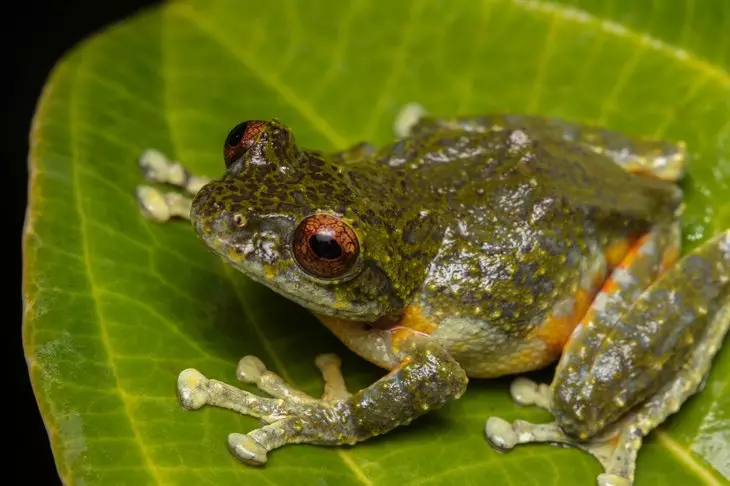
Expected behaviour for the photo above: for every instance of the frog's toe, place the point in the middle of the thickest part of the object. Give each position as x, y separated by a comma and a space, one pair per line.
252, 370
500, 434
615, 450
527, 392
154, 165
160, 207
504, 435
152, 204
407, 119
192, 389
252, 448
158, 169
247, 449
334, 383
607, 479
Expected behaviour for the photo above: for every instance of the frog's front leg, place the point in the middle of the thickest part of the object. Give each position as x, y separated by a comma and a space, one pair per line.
619, 379
158, 169
426, 378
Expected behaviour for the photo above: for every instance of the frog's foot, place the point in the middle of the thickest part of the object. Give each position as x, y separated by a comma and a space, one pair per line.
526, 392
407, 118
253, 371
706, 302
616, 452
292, 416
158, 169
160, 207
503, 435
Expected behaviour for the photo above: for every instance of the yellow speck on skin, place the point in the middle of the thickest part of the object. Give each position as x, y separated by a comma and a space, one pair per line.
233, 256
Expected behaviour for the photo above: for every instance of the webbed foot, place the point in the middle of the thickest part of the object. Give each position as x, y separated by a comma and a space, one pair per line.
704, 303
161, 206
292, 416
426, 378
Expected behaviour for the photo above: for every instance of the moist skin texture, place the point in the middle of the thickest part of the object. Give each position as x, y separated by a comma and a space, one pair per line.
471, 247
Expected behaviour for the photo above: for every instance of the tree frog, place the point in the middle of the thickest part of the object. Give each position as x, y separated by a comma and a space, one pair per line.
468, 247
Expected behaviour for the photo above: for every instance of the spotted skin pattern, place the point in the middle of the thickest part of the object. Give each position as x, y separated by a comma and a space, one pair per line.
486, 246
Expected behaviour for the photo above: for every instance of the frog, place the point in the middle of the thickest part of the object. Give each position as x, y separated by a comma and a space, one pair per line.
467, 247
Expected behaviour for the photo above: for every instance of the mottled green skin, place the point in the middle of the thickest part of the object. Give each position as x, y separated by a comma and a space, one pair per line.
483, 240
483, 224
503, 208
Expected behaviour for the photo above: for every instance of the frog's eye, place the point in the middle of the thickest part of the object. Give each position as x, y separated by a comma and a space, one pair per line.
325, 246
241, 138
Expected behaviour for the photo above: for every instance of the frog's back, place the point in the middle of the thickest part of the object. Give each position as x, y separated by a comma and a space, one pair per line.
528, 224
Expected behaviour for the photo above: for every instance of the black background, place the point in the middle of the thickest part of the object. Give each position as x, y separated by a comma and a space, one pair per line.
37, 37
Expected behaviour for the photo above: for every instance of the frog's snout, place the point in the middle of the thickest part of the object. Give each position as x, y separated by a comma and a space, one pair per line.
227, 228
212, 217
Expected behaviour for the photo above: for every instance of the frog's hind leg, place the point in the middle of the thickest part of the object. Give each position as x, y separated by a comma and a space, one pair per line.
161, 206
618, 446
650, 157
629, 388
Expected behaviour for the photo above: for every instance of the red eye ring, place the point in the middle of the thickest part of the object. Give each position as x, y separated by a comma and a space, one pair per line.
240, 139
325, 246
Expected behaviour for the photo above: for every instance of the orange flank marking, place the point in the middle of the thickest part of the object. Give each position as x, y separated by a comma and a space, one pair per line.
398, 337
670, 257
616, 252
411, 318
557, 330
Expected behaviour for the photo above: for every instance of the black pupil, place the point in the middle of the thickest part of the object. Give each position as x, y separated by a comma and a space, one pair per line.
234, 138
325, 246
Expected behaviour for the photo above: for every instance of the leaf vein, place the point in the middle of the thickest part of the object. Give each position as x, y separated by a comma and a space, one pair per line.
284, 90
610, 27
74, 120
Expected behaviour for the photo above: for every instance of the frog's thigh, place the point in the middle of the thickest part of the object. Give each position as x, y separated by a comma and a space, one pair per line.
161, 206
703, 311
635, 267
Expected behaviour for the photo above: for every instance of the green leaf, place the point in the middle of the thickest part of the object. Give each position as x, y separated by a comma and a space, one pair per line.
117, 306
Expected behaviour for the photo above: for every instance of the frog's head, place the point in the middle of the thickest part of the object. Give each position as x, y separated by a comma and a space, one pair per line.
292, 220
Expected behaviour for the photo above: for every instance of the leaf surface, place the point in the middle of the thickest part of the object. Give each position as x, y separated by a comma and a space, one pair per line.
117, 306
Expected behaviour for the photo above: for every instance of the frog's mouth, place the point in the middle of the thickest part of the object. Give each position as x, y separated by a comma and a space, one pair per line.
317, 298
267, 261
